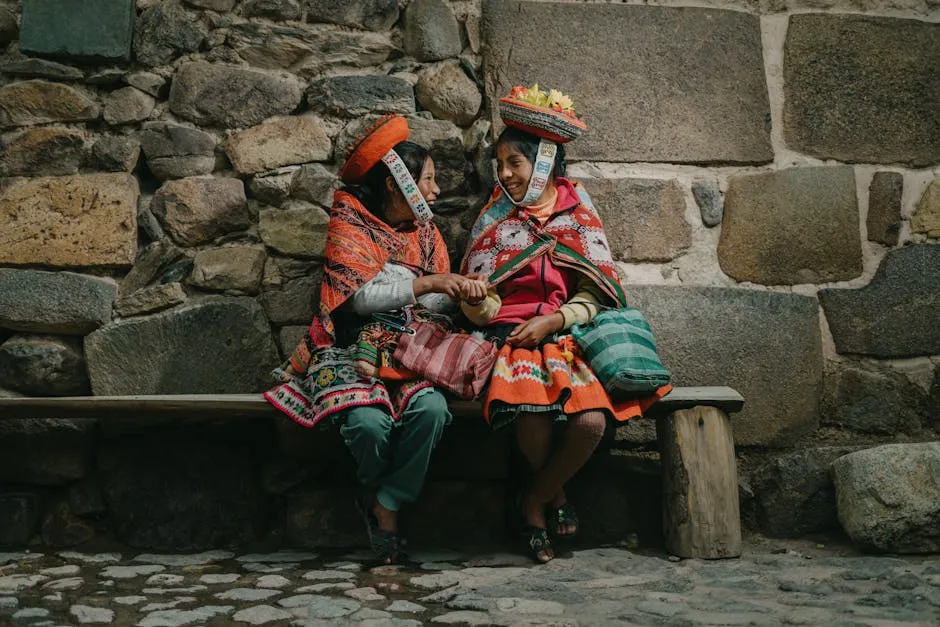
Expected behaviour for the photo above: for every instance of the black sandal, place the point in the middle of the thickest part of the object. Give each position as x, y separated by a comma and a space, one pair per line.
536, 538
564, 516
540, 545
385, 544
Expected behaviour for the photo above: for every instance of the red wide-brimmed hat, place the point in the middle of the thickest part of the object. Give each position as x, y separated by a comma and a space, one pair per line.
546, 114
369, 148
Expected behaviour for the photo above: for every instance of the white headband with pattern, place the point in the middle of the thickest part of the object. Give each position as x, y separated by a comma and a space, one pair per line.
406, 183
544, 159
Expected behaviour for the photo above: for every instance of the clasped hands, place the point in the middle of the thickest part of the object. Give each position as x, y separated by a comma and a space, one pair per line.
458, 287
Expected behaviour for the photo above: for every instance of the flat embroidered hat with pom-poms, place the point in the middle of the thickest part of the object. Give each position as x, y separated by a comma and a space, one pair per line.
546, 114
374, 143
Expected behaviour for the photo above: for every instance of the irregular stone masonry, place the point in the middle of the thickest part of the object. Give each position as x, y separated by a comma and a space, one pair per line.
211, 131
773, 584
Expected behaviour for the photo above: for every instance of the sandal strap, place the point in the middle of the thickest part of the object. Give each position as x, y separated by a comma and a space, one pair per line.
565, 515
384, 543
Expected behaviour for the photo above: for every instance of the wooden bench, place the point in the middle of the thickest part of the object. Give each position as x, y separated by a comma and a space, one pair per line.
701, 514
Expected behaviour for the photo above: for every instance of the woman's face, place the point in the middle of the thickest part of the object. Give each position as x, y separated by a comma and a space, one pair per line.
514, 170
426, 183
398, 211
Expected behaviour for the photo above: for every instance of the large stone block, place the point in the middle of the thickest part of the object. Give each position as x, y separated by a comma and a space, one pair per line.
299, 232
884, 208
290, 141
431, 30
216, 345
43, 151
765, 345
45, 452
40, 68
644, 218
78, 28
127, 105
174, 151
446, 91
196, 210
231, 268
359, 95
926, 218
150, 299
668, 84
791, 226
71, 221
313, 51
278, 10
864, 399
164, 32
230, 97
41, 102
295, 303
54, 302
889, 497
793, 493
184, 490
370, 14
863, 89
40, 365
896, 314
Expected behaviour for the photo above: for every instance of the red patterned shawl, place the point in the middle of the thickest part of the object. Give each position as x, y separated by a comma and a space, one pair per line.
358, 244
502, 242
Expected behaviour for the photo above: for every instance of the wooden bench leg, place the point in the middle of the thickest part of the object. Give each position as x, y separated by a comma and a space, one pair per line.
701, 513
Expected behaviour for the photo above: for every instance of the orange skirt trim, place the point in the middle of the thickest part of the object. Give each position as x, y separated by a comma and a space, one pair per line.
554, 376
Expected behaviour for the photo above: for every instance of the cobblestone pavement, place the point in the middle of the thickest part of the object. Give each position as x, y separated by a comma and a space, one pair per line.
772, 584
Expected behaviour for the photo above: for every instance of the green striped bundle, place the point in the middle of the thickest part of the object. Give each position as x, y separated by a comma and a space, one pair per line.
619, 347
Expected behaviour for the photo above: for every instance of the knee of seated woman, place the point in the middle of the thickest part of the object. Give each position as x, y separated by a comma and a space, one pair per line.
431, 409
371, 420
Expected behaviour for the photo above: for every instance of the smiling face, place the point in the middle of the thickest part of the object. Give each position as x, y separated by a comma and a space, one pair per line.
514, 169
397, 209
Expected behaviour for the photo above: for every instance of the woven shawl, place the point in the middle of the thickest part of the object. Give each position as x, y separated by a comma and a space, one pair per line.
502, 242
358, 245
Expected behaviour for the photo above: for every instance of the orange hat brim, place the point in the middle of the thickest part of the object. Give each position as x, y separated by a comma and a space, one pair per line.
369, 148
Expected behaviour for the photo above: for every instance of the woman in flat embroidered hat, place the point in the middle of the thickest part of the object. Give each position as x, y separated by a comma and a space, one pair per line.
382, 254
540, 244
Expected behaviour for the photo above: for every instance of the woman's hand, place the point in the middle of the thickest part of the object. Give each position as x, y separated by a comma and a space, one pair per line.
450, 284
474, 290
531, 332
288, 373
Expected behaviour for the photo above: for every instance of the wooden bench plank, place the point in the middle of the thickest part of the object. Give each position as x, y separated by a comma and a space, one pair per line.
254, 405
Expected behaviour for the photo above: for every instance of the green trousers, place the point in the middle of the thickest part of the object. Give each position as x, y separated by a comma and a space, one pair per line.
393, 457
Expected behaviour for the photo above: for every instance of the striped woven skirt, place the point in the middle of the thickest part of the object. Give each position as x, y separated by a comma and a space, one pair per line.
552, 379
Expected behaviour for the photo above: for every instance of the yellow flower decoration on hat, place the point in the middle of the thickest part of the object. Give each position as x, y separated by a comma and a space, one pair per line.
551, 99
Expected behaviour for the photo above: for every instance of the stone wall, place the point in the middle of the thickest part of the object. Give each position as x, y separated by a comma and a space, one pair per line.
768, 172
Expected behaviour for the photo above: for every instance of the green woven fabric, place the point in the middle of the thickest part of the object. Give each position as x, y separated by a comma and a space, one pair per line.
619, 346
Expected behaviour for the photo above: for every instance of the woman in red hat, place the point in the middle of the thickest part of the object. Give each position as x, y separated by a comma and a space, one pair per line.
541, 246
383, 254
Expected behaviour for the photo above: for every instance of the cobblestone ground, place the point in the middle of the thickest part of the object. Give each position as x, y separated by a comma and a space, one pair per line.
772, 584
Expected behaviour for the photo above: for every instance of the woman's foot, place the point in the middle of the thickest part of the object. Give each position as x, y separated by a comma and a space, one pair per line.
564, 519
535, 531
387, 519
381, 526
